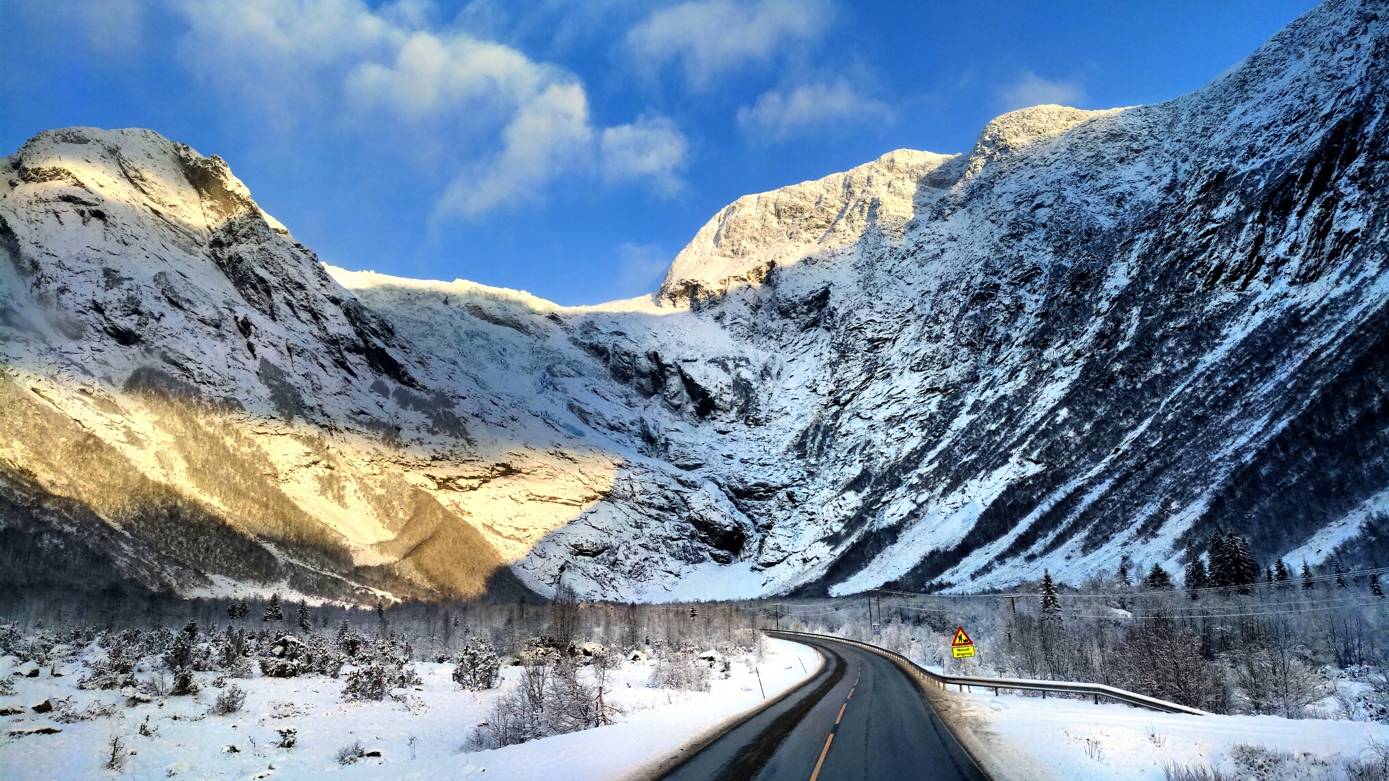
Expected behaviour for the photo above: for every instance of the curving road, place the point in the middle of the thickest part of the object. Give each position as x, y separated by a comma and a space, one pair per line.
860, 717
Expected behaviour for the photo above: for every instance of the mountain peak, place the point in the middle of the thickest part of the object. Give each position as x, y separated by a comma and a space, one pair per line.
754, 234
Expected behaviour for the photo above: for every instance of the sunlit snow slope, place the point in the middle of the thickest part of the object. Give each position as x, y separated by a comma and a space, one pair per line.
1097, 333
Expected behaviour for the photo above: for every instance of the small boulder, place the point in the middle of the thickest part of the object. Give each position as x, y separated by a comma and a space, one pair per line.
44, 707
19, 732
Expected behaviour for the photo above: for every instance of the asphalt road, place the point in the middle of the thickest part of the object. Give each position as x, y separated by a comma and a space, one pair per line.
860, 717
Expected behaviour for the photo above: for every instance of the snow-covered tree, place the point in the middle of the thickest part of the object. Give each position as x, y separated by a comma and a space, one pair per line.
478, 666
179, 660
1341, 577
305, 621
272, 609
1051, 604
1375, 588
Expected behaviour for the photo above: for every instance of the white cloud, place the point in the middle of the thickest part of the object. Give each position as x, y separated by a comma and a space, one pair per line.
651, 147
1032, 90
322, 62
710, 38
545, 137
778, 114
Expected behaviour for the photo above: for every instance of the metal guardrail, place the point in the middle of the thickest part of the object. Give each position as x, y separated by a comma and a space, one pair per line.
1094, 690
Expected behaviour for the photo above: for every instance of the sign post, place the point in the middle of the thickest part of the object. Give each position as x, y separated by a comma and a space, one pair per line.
962, 647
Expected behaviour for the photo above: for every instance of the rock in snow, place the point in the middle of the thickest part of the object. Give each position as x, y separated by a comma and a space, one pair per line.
1096, 334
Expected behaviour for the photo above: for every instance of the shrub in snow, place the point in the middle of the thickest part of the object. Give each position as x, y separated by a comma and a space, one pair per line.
322, 657
179, 659
349, 642
570, 705
478, 666
229, 701
6, 686
374, 680
538, 650
183, 683
9, 639
351, 753
367, 682
286, 659
229, 651
288, 737
63, 712
518, 716
114, 754
674, 670
115, 671
549, 701
1273, 681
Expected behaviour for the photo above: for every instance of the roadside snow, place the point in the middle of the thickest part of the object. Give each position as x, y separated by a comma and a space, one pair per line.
1037, 739
420, 738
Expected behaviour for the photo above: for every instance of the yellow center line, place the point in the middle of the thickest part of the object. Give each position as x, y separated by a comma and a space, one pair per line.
851, 694
816, 773
841, 711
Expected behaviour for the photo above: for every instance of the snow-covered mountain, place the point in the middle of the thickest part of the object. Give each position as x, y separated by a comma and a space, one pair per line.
1095, 334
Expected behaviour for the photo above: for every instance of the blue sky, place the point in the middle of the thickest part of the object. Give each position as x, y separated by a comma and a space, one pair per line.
572, 148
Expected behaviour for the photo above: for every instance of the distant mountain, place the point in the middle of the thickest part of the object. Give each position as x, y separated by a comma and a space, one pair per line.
1096, 334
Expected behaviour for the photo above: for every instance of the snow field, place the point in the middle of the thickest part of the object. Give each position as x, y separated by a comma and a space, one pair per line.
420, 737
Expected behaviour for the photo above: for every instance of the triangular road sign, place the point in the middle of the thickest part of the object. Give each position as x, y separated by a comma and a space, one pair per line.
961, 638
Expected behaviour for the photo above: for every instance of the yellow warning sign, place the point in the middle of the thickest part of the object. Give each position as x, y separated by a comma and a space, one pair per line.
962, 647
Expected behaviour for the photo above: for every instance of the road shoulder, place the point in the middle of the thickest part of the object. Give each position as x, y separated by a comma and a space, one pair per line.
663, 765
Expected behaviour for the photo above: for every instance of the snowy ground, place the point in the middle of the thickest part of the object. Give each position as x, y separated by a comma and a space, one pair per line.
421, 738
1036, 739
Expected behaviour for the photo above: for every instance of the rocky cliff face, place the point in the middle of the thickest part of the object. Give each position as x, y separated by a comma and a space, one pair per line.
1095, 334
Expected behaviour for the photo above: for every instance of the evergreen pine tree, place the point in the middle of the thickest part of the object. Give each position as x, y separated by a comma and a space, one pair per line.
1195, 577
1341, 577
1307, 583
1051, 604
305, 622
272, 609
1220, 569
1157, 579
233, 607
1244, 569
1268, 575
1280, 572
1123, 574
1375, 588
